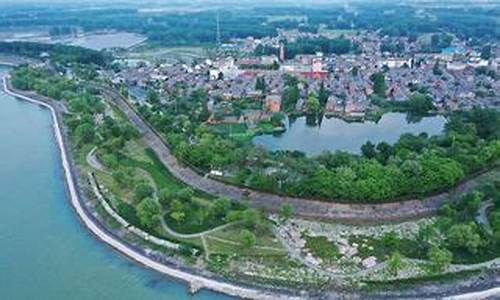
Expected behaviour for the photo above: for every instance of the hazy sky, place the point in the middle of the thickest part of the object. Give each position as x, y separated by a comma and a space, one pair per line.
191, 3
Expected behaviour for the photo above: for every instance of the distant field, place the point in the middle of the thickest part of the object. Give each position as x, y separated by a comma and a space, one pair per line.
333, 33
168, 54
298, 18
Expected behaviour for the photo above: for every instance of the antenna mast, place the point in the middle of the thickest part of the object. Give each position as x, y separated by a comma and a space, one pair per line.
218, 40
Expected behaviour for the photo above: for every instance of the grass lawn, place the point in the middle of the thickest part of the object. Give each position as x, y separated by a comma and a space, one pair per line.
231, 130
136, 150
110, 184
192, 223
163, 178
369, 246
231, 235
218, 246
322, 248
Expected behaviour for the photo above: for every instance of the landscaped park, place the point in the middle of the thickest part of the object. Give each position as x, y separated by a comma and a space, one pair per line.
239, 241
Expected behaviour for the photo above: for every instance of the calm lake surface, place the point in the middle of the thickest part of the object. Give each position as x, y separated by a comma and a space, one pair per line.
108, 40
45, 253
336, 134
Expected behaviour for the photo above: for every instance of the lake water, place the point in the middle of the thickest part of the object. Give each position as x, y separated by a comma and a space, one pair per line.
108, 40
336, 134
45, 253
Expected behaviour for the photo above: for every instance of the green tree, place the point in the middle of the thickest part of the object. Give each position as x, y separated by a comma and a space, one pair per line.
260, 84
221, 207
464, 236
313, 106
184, 194
384, 152
253, 219
121, 178
264, 182
354, 71
368, 150
379, 85
277, 119
390, 240
471, 202
486, 52
165, 195
247, 238
249, 217
436, 70
439, 258
323, 94
178, 216
143, 190
177, 206
153, 97
148, 212
286, 211
290, 97
85, 133
395, 263
420, 104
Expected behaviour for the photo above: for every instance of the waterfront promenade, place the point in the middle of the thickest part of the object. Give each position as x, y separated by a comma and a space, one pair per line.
195, 281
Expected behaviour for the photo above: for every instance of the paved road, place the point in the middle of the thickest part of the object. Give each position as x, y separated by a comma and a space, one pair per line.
193, 235
94, 162
482, 215
356, 213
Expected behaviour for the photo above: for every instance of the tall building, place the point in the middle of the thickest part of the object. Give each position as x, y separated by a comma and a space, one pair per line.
282, 52
218, 39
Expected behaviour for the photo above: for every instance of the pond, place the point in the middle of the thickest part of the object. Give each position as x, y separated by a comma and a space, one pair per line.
336, 134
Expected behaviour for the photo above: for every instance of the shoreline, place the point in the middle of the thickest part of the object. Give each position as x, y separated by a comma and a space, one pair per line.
194, 281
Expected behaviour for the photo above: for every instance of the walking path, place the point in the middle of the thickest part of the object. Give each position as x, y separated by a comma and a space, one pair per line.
358, 213
193, 235
482, 216
144, 235
94, 162
196, 280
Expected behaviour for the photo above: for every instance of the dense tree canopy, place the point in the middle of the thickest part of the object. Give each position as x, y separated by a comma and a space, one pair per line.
57, 52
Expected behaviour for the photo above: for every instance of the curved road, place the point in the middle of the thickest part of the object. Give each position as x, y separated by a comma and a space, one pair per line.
358, 213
